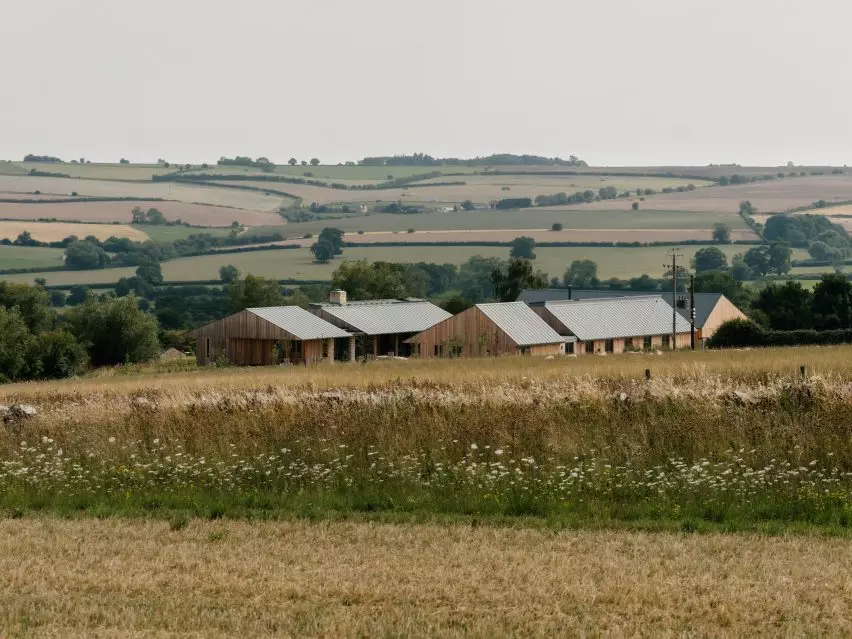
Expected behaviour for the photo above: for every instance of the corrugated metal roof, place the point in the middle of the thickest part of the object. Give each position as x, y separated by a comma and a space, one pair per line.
298, 322
616, 317
386, 317
704, 302
520, 323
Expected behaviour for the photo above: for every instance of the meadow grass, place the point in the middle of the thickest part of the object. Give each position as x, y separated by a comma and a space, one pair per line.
730, 441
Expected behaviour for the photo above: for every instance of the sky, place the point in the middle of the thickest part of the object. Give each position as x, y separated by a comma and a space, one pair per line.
615, 82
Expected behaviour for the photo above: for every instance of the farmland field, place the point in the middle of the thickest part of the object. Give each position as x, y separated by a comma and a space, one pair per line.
56, 231
227, 578
541, 218
98, 171
539, 235
171, 233
199, 214
299, 264
769, 197
166, 190
481, 189
29, 257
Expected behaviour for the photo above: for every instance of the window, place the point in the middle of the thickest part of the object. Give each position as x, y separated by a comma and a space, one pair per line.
646, 343
590, 347
609, 346
667, 341
569, 348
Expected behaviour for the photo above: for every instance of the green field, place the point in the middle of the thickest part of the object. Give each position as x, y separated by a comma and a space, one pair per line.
298, 263
29, 257
172, 233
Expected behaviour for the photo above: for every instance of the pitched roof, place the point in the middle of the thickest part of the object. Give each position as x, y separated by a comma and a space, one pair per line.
704, 302
298, 322
383, 317
520, 323
616, 317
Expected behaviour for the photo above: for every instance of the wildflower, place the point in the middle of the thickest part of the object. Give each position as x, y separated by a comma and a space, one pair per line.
112, 440
498, 451
474, 447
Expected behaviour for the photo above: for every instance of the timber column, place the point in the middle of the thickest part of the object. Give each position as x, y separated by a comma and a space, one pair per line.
352, 349
330, 347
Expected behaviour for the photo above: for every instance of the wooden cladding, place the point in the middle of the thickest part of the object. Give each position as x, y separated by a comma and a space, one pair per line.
471, 333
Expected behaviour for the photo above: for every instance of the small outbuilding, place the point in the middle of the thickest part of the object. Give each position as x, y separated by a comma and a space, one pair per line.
503, 328
380, 327
271, 335
616, 324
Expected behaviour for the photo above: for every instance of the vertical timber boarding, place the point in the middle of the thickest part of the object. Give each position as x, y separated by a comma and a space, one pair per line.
471, 333
248, 340
723, 311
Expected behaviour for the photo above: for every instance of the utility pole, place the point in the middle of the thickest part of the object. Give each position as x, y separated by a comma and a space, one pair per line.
692, 311
674, 254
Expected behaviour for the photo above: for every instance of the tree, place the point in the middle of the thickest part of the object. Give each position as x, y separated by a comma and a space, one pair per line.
740, 271
727, 285
150, 272
77, 295
710, 259
315, 161
85, 255
304, 163
635, 206
15, 345
123, 161
56, 354
25, 239
831, 303
474, 280
228, 273
757, 259
780, 258
787, 306
456, 304
581, 274
721, 233
821, 251
254, 292
363, 280
115, 331
292, 161
323, 251
334, 237
523, 247
518, 276
31, 302
556, 226
747, 208
468, 205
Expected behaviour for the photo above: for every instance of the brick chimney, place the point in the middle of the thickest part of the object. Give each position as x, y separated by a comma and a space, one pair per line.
337, 297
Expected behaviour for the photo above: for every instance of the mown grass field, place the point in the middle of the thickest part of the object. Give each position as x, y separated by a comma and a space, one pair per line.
299, 263
172, 233
226, 578
29, 257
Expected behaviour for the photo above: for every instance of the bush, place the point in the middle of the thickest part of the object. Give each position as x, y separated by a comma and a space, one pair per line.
746, 333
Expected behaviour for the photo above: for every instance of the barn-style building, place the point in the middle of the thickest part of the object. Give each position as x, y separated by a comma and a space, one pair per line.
380, 327
271, 335
616, 324
507, 328
711, 309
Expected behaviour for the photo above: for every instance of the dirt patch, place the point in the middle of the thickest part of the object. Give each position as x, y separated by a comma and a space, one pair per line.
200, 214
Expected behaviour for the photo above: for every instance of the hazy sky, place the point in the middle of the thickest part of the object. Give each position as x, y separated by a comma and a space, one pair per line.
612, 81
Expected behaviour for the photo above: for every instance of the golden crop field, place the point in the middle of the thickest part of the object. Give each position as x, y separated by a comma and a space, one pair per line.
56, 231
224, 578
